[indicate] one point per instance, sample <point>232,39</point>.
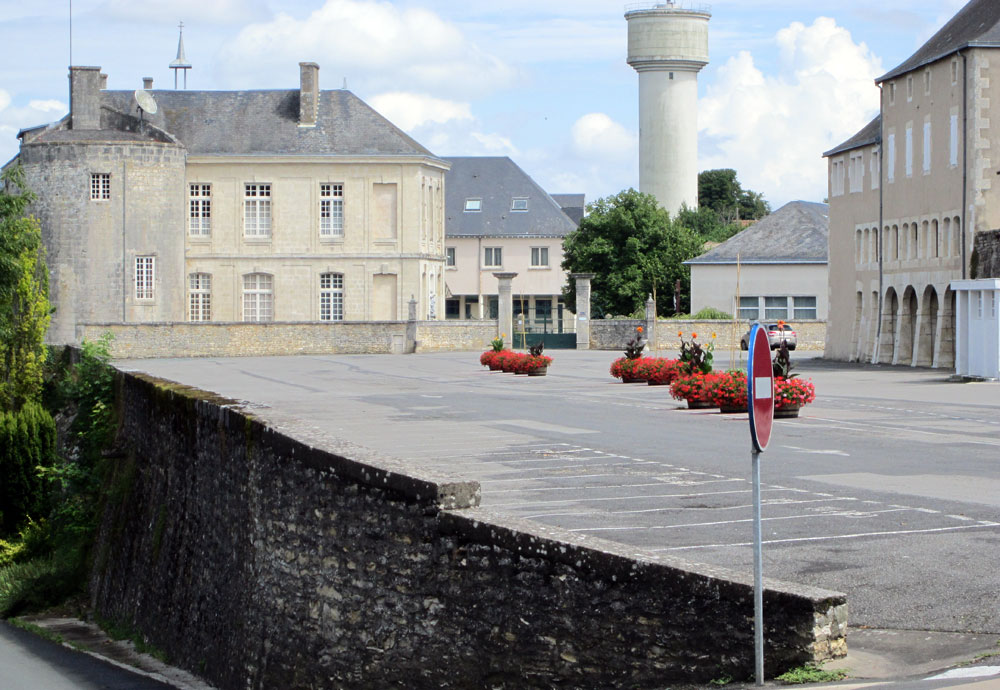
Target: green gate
<point>553,341</point>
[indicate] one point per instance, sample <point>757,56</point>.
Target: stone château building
<point>229,206</point>
<point>909,193</point>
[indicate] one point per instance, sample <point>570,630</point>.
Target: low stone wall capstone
<point>612,334</point>
<point>259,562</point>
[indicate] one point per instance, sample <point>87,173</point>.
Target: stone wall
<point>986,255</point>
<point>239,339</point>
<point>259,562</point>
<point>612,334</point>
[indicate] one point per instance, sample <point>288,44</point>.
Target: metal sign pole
<point>758,573</point>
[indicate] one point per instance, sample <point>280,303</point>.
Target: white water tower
<point>668,46</point>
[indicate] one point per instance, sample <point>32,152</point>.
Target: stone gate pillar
<point>582,309</point>
<point>505,305</point>
<point>650,323</point>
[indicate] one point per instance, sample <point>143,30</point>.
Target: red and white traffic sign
<point>760,388</point>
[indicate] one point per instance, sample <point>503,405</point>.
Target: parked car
<point>775,336</point>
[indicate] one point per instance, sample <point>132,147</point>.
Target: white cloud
<point>493,145</point>
<point>596,135</point>
<point>411,110</point>
<point>773,128</point>
<point>14,118</point>
<point>371,42</point>
<point>49,106</point>
<point>4,99</point>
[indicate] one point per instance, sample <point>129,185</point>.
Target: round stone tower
<point>668,46</point>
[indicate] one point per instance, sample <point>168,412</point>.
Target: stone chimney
<point>147,83</point>
<point>85,97</point>
<point>308,93</point>
<point>104,81</point>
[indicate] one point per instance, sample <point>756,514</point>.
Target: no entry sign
<point>760,388</point>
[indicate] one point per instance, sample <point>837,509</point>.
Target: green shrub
<point>711,313</point>
<point>811,674</point>
<point>27,442</point>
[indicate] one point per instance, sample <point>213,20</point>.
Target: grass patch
<point>811,674</point>
<point>37,630</point>
<point>118,631</point>
<point>725,680</point>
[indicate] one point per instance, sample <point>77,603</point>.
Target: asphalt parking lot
<point>886,488</point>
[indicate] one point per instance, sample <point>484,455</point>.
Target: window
<point>200,297</point>
<point>100,186</point>
<point>953,141</point>
<point>258,297</point>
<point>750,308</point>
<point>892,93</point>
<point>449,257</point>
<point>927,146</point>
<point>775,307</point>
<point>452,309</point>
<point>145,276</point>
<point>331,297</point>
<point>257,209</point>
<point>909,149</point>
<point>856,172</point>
<point>493,306</point>
<point>891,163</point>
<point>804,307</point>
<point>927,82</point>
<point>473,205</point>
<point>540,257</point>
<point>493,257</point>
<point>876,168</point>
<point>200,210</point>
<point>954,71</point>
<point>909,88</point>
<point>837,177</point>
<point>331,210</point>
<point>518,204</point>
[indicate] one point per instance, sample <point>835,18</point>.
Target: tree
<point>634,249</point>
<point>720,191</point>
<point>24,300</point>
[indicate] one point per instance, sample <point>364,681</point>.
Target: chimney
<point>104,81</point>
<point>308,94</point>
<point>147,83</point>
<point>85,97</point>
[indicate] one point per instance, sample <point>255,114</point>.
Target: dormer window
<point>519,204</point>
<point>473,205</point>
<point>892,93</point>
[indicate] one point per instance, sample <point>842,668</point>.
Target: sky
<point>542,81</point>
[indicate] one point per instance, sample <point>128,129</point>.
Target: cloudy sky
<point>544,82</point>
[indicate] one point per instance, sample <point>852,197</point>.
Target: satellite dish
<point>145,101</point>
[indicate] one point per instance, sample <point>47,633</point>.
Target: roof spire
<point>181,62</point>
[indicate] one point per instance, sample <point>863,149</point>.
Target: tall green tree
<point>720,191</point>
<point>634,249</point>
<point>24,295</point>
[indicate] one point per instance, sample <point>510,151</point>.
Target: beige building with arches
<point>909,192</point>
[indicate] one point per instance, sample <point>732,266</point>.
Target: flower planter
<point>732,410</point>
<point>540,371</point>
<point>494,366</point>
<point>629,379</point>
<point>786,412</point>
<point>700,405</point>
<point>651,382</point>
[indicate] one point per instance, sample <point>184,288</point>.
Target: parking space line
<point>833,537</point>
<point>623,498</point>
<point>634,528</point>
<point>610,486</point>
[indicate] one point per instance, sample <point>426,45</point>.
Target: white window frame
<point>954,71</point>
<point>473,205</point>
<point>891,163</point>
<point>800,303</point>
<point>257,210</point>
<point>876,167</point>
<point>331,296</point>
<point>540,257</point>
<point>837,176</point>
<point>856,172</point>
<point>909,88</point>
<point>100,186</point>
<point>145,278</point>
<point>519,204</point>
<point>953,140</point>
<point>449,257</point>
<point>892,93</point>
<point>199,209</point>
<point>258,297</point>
<point>927,82</point>
<point>331,209</point>
<point>200,297</point>
<point>743,312</point>
<point>492,257</point>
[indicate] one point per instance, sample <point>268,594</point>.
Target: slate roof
<point>242,123</point>
<point>497,181</point>
<point>976,25</point>
<point>869,134</point>
<point>797,232</point>
<point>572,205</point>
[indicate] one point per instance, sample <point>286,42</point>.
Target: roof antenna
<point>181,62</point>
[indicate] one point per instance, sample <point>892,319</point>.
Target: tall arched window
<point>331,297</point>
<point>200,297</point>
<point>258,297</point>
